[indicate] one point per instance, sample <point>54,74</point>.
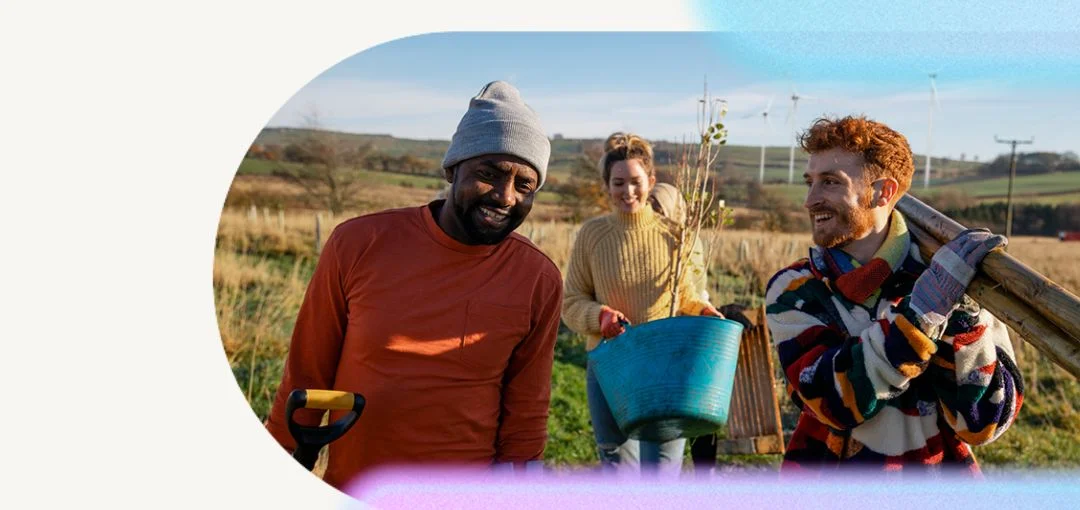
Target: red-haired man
<point>893,367</point>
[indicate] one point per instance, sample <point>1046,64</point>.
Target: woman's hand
<point>711,311</point>
<point>609,322</point>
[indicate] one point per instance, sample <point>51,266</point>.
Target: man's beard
<point>480,234</point>
<point>849,223</point>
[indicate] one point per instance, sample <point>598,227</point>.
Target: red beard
<point>847,223</point>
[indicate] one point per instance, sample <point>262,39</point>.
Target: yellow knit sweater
<point>623,261</point>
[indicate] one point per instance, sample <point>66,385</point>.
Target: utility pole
<point>1012,176</point>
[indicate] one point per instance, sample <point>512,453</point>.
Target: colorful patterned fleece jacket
<point>875,391</point>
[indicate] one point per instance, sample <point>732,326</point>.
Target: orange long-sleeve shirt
<point>452,345</point>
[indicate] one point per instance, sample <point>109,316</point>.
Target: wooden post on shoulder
<point>1027,301</point>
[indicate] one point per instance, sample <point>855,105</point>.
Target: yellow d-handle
<point>310,439</point>
<point>329,399</point>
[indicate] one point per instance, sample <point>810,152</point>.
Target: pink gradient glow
<point>448,489</point>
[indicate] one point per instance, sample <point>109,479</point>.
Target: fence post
<point>281,219</point>
<point>253,213</point>
<point>318,232</point>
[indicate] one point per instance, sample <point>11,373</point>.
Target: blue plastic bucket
<point>670,378</point>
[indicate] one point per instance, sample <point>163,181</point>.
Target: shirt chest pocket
<point>491,333</point>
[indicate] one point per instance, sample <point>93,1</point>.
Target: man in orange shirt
<point>440,316</point>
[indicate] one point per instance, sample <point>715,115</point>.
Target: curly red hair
<point>886,152</point>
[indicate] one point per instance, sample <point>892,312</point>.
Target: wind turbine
<point>930,128</point>
<point>795,97</point>
<point>765,116</point>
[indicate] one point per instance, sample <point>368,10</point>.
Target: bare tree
<point>693,178</point>
<point>584,192</point>
<point>327,168</point>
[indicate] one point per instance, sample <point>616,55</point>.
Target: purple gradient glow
<point>446,489</point>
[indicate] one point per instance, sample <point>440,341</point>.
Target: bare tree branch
<point>327,169</point>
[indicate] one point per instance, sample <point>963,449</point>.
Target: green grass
<point>259,369</point>
<point>251,166</point>
<point>1055,199</point>
<point>795,193</point>
<point>1046,433</point>
<point>430,149</point>
<point>1024,185</point>
<point>570,437</point>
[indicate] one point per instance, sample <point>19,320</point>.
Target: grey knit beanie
<point>499,122</point>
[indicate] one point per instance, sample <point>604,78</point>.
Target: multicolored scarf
<point>861,283</point>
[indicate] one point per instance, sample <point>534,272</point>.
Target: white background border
<point>123,124</point>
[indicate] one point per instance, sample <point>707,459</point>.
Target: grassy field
<point>256,168</point>
<point>565,149</point>
<point>1023,185</point>
<point>265,256</point>
<point>1070,197</point>
<point>1059,188</point>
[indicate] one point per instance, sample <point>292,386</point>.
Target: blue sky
<point>1014,82</point>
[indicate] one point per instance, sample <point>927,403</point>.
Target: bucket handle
<point>625,324</point>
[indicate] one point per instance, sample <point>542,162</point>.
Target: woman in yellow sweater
<point>620,269</point>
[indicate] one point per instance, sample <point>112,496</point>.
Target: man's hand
<point>609,322</point>
<point>711,311</point>
<point>942,285</point>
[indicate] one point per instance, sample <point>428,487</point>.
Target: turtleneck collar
<point>639,219</point>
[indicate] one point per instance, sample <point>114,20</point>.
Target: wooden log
<point>772,391</point>
<point>1051,300</point>
<point>1024,319</point>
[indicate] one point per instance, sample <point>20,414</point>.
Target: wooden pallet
<point>754,425</point>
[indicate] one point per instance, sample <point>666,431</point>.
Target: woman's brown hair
<point>623,147</point>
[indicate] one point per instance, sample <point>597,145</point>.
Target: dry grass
<point>257,302</point>
<point>267,232</point>
<point>1059,261</point>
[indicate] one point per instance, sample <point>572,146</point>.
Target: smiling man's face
<point>490,197</point>
<point>838,198</point>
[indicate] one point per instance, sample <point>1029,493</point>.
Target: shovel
<point>309,440</point>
